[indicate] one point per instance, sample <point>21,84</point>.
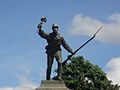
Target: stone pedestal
<point>52,85</point>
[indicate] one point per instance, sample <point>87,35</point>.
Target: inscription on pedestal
<point>52,85</point>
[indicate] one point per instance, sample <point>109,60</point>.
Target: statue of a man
<point>53,49</point>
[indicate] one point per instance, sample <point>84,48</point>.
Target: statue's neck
<point>55,34</point>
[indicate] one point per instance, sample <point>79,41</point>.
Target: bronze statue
<point>53,49</point>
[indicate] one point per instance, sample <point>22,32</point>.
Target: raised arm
<point>41,32</point>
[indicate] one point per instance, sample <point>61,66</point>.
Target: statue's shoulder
<point>50,34</point>
<point>60,36</point>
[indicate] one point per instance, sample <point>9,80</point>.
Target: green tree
<point>80,74</point>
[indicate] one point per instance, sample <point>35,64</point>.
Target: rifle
<point>81,46</point>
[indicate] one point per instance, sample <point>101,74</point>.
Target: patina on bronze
<point>53,49</point>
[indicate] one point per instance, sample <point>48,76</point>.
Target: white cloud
<point>17,88</point>
<point>87,26</point>
<point>24,82</point>
<point>6,88</point>
<point>23,78</point>
<point>113,70</point>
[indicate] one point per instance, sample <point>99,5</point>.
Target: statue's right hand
<point>39,25</point>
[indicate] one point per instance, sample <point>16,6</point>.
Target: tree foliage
<point>80,74</point>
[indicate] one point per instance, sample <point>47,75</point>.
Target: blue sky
<point>22,53</point>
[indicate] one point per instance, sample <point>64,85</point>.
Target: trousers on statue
<point>50,58</point>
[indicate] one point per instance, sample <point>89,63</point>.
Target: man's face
<point>55,30</point>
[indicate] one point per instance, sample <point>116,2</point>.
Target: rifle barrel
<point>81,46</point>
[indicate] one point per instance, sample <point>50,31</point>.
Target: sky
<point>22,51</point>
